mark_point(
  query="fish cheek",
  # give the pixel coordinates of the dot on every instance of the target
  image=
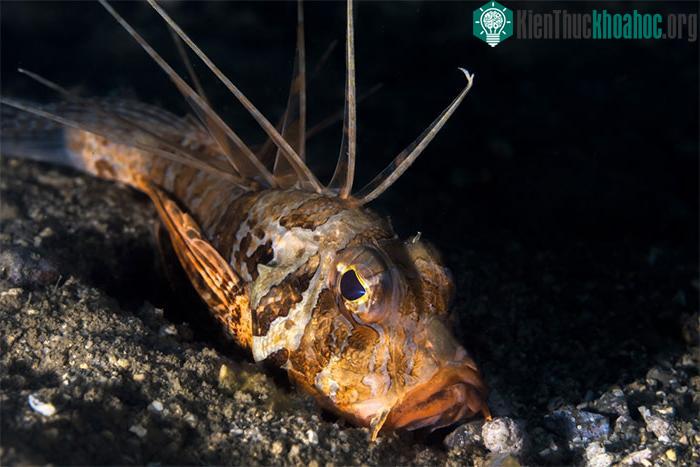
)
(323, 339)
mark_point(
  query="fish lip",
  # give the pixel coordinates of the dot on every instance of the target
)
(452, 394)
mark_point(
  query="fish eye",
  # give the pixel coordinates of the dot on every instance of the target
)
(351, 286)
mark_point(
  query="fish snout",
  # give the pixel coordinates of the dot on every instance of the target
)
(452, 394)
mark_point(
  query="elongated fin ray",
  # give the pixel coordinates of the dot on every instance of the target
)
(293, 127)
(404, 160)
(268, 150)
(248, 165)
(345, 168)
(188, 64)
(143, 142)
(300, 167)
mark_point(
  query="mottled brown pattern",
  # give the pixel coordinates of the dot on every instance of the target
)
(312, 213)
(373, 235)
(262, 255)
(281, 298)
(240, 256)
(104, 169)
(225, 230)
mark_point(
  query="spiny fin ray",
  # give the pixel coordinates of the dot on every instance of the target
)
(300, 167)
(293, 126)
(245, 162)
(404, 160)
(345, 169)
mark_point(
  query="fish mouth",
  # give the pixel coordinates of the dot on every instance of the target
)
(450, 395)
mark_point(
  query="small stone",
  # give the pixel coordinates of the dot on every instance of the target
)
(612, 402)
(46, 409)
(155, 406)
(138, 430)
(277, 448)
(227, 377)
(167, 330)
(578, 427)
(468, 434)
(504, 435)
(13, 292)
(657, 424)
(596, 456)
(138, 377)
(293, 453)
(499, 459)
(626, 429)
(671, 455)
(123, 363)
(637, 457)
(311, 437)
(47, 232)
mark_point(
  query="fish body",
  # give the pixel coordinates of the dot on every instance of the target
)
(305, 277)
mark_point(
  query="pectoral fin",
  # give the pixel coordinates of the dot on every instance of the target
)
(210, 273)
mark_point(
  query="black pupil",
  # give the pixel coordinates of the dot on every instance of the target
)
(350, 286)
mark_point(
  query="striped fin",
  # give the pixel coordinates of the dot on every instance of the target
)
(211, 275)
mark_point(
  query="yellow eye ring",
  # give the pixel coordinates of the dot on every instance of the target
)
(352, 287)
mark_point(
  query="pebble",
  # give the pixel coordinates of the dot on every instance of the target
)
(13, 292)
(657, 424)
(46, 409)
(138, 430)
(277, 448)
(626, 428)
(465, 435)
(167, 330)
(155, 406)
(504, 435)
(612, 402)
(671, 455)
(596, 456)
(311, 437)
(123, 363)
(498, 459)
(638, 457)
(578, 427)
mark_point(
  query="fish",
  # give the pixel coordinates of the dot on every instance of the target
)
(303, 275)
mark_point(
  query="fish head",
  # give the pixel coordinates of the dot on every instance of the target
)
(377, 349)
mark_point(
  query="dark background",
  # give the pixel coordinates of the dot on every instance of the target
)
(563, 192)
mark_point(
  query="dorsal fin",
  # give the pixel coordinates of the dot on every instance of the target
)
(293, 126)
(245, 162)
(303, 172)
(345, 168)
(404, 160)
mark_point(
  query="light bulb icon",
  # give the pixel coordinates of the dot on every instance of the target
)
(493, 21)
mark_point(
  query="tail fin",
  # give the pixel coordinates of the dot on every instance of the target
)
(27, 136)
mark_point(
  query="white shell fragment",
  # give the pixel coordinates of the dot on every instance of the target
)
(46, 409)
